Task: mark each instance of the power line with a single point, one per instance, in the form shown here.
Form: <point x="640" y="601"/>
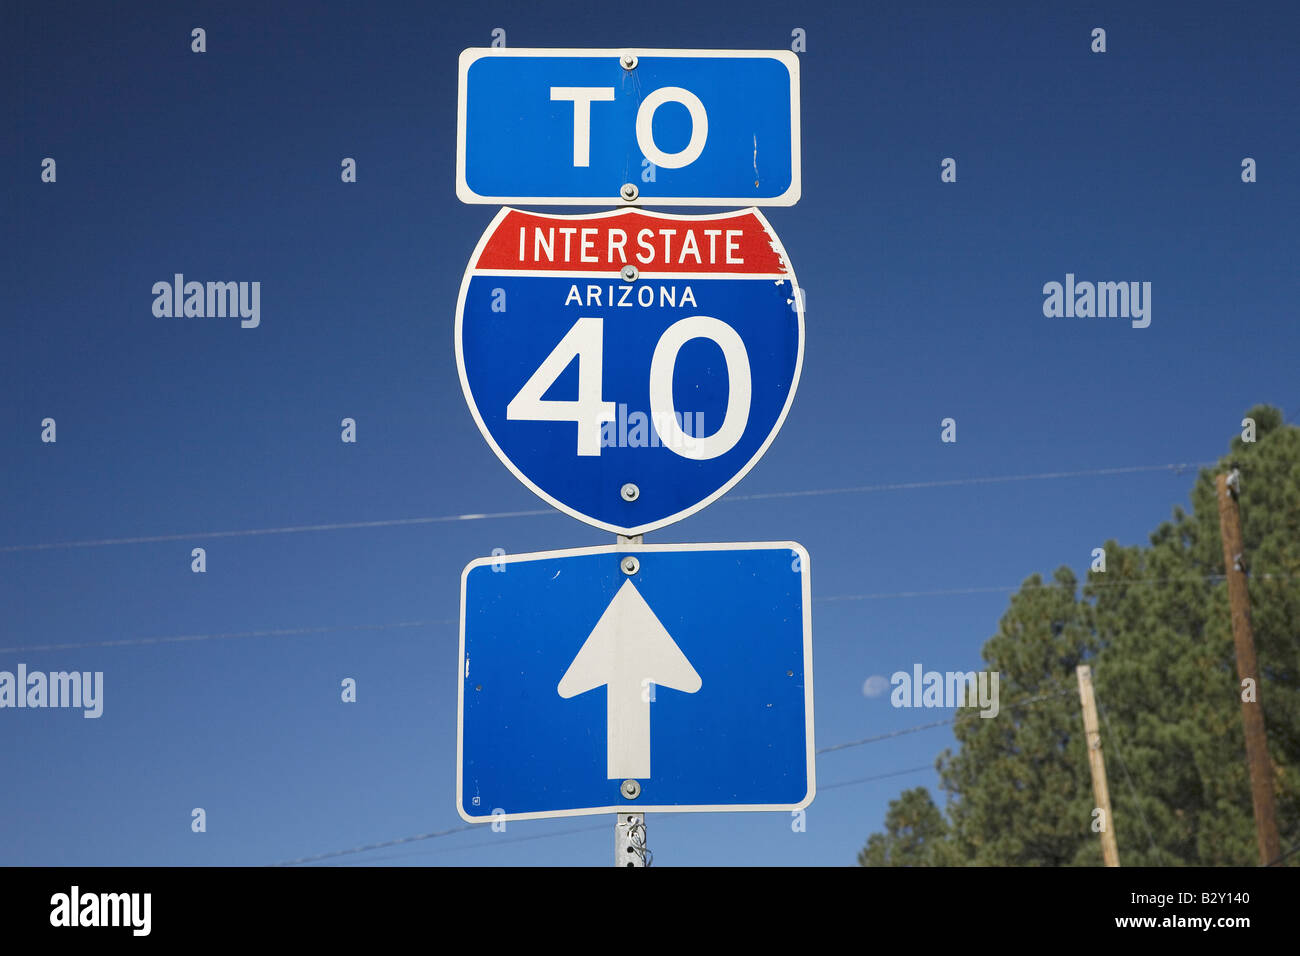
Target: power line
<point x="534" y="836"/>
<point x="880" y="737"/>
<point x="1294" y="849"/>
<point x="942" y="592"/>
<point x="377" y="846"/>
<point x="179" y="638"/>
<point x="933" y="724"/>
<point x="879" y="776"/>
<point x="1006" y="588"/>
<point x="295" y="631"/>
<point x="494" y="842"/>
<point x="1128" y="777"/>
<point x="289" y="529"/>
<point x="1177" y="468"/>
<point x="824" y="750"/>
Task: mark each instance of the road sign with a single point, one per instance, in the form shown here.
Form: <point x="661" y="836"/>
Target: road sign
<point x="648" y="678"/>
<point x="628" y="366"/>
<point x="575" y="127"/>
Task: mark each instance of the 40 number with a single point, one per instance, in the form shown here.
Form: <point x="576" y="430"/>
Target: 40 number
<point x="585" y="342"/>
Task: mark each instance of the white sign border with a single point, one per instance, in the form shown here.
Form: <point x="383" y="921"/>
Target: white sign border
<point x="631" y="806"/>
<point x="633" y="530"/>
<point x="467" y="195"/>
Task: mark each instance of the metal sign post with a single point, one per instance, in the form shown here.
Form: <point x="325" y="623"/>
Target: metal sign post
<point x="630" y="834"/>
<point x="630" y="840"/>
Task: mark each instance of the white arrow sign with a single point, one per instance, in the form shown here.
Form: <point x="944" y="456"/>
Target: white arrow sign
<point x="627" y="650"/>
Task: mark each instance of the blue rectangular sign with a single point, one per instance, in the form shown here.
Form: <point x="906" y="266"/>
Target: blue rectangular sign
<point x="654" y="678"/>
<point x="612" y="127"/>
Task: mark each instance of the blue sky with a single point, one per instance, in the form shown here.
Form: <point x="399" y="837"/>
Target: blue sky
<point x="924" y="302"/>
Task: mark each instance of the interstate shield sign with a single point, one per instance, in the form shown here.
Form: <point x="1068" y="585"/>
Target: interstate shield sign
<point x="629" y="366"/>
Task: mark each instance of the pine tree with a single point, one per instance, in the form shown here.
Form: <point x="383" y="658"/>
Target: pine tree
<point x="1169" y="679"/>
<point x="1018" y="787"/>
<point x="1156" y="628"/>
<point x="916" y="834"/>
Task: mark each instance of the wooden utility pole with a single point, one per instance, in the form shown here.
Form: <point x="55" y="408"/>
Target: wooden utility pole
<point x="1100" y="792"/>
<point x="1243" y="636"/>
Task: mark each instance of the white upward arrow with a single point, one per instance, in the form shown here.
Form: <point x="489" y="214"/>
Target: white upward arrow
<point x="627" y="650"/>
